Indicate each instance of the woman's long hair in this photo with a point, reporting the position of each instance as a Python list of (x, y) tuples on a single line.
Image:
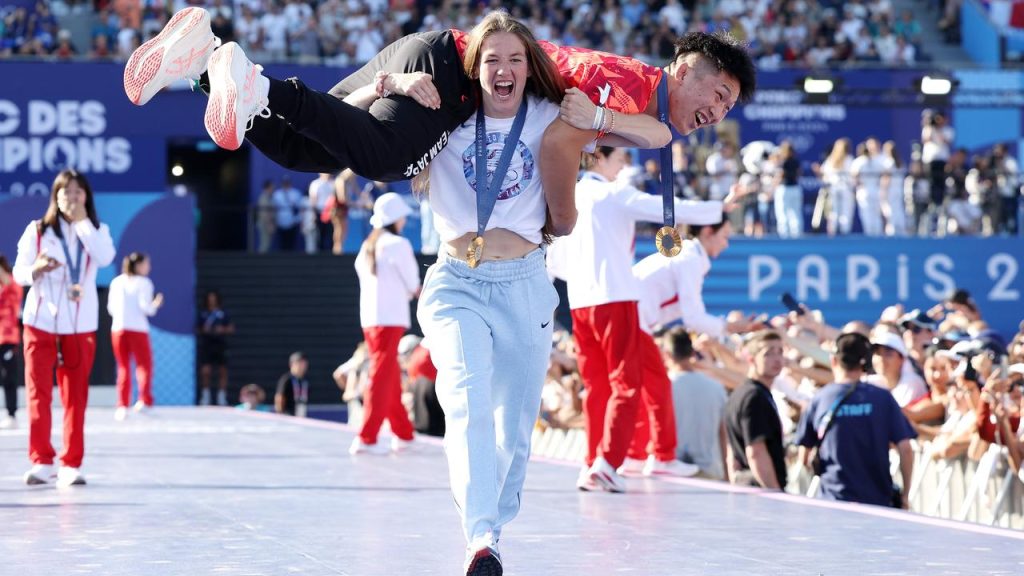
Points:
[(544, 80), (53, 212), (840, 151), (370, 245)]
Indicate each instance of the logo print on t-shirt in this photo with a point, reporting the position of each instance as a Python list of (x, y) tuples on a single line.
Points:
[(522, 168)]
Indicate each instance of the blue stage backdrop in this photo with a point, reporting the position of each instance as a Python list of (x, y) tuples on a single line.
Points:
[(855, 278), (45, 127)]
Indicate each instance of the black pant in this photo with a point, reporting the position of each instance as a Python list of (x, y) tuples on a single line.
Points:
[(8, 370), (428, 417), (313, 131)]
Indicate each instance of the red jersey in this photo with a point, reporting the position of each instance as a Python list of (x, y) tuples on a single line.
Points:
[(623, 84), (10, 307)]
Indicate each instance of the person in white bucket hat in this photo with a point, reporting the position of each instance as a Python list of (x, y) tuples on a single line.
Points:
[(389, 209), (388, 279)]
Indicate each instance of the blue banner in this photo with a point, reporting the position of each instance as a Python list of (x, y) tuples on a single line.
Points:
[(856, 278)]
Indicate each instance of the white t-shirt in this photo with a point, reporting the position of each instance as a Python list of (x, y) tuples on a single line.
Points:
[(384, 297), (130, 303), (520, 207), (597, 256), (671, 288)]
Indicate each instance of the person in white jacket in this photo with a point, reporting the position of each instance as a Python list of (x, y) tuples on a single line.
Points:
[(595, 261), (58, 257), (130, 302), (388, 279)]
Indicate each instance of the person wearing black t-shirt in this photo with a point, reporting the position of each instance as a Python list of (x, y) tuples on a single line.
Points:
[(293, 388), (756, 454)]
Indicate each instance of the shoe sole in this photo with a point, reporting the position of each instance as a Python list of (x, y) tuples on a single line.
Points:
[(485, 566), (221, 117), (32, 480), (146, 72)]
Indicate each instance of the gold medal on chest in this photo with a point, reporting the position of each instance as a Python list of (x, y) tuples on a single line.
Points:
[(475, 252)]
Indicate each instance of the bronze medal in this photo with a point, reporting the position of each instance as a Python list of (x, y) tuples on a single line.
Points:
[(674, 238), (475, 252)]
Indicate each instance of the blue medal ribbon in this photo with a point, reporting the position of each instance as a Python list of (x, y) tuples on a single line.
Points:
[(74, 268), (486, 185), (667, 195)]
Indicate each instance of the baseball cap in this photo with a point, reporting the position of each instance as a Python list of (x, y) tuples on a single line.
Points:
[(918, 318), (889, 340)]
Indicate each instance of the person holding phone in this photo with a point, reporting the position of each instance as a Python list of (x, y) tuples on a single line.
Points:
[(59, 257)]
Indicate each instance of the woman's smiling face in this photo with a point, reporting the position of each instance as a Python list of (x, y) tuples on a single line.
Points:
[(504, 69)]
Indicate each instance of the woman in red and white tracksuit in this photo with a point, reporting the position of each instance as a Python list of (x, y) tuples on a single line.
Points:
[(388, 279), (130, 302), (595, 260), (59, 256)]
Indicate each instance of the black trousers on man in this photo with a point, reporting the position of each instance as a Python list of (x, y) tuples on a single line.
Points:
[(313, 131)]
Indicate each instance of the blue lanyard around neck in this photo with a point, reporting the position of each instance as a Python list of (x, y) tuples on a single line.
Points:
[(74, 268), (487, 188), (667, 195)]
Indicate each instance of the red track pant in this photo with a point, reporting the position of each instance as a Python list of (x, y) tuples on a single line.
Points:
[(655, 411), (606, 338), (73, 381), (383, 398), (126, 344)]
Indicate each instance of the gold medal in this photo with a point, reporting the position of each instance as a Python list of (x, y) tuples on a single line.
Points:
[(475, 252), (75, 293), (674, 238)]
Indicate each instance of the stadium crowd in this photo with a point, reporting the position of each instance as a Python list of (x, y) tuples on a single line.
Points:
[(779, 32)]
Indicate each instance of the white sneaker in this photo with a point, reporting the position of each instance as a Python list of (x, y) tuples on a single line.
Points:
[(678, 468), (204, 397), (399, 445), (121, 413), (358, 447), (631, 467), (68, 476), (606, 477), (238, 93), (8, 422), (181, 50), (222, 397), (584, 482), (141, 407), (40, 474)]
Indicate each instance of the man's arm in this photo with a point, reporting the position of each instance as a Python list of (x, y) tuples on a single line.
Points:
[(761, 465), (906, 468), (624, 130)]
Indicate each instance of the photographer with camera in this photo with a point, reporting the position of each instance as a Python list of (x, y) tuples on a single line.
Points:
[(851, 425)]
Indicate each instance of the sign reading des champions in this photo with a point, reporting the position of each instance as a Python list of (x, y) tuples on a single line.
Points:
[(40, 137)]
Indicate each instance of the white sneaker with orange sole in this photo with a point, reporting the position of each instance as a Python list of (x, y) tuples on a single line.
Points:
[(238, 93), (180, 51)]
